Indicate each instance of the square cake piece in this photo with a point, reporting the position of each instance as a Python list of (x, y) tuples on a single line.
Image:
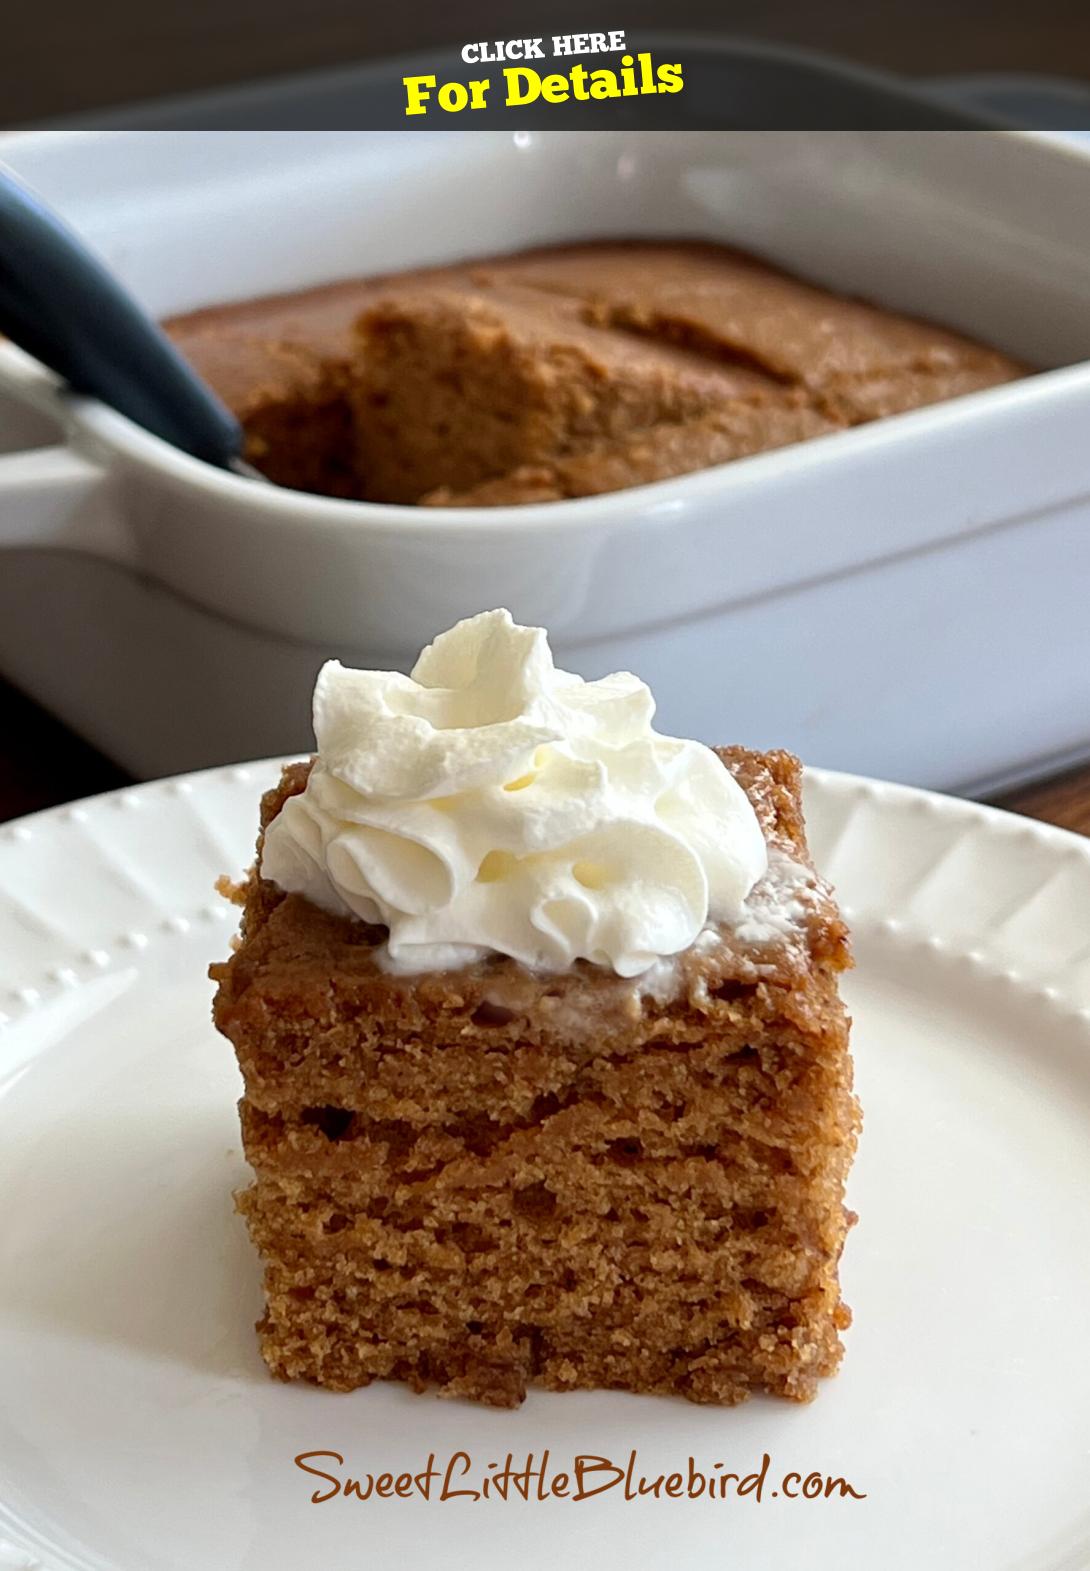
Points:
[(490, 1175)]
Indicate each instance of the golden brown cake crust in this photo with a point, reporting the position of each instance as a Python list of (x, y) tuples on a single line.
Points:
[(466, 384), (566, 371), (487, 1179)]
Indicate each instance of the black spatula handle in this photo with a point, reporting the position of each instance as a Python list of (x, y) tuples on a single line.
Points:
[(61, 305)]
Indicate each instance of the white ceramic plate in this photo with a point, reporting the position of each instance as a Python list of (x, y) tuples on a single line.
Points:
[(139, 1432)]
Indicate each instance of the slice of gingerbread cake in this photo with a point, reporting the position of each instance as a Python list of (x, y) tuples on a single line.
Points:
[(547, 1078)]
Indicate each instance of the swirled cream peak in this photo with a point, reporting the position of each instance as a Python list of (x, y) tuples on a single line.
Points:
[(490, 803)]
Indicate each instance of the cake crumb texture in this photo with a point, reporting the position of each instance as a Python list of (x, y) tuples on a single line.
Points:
[(563, 372), (485, 1180)]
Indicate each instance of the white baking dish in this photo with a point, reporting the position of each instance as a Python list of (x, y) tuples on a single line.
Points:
[(906, 599)]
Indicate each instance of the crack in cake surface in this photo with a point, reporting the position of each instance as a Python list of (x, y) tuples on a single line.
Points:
[(562, 372)]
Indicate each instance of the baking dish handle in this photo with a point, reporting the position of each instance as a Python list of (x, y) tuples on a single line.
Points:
[(53, 496)]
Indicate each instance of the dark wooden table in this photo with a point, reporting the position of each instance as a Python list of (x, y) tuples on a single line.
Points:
[(43, 764)]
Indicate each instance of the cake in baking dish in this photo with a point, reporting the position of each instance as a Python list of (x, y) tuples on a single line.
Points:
[(547, 1078), (562, 372)]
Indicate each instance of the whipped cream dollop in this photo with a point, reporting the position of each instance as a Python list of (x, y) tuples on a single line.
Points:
[(490, 803)]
